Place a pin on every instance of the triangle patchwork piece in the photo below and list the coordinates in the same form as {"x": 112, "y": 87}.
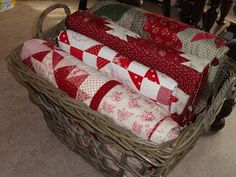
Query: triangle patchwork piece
{"x": 101, "y": 62}
{"x": 202, "y": 36}
{"x": 40, "y": 56}
{"x": 56, "y": 58}
{"x": 152, "y": 76}
{"x": 77, "y": 76}
{"x": 64, "y": 38}
{"x": 137, "y": 80}
{"x": 94, "y": 49}
{"x": 64, "y": 71}
{"x": 76, "y": 53}
{"x": 65, "y": 85}
{"x": 29, "y": 63}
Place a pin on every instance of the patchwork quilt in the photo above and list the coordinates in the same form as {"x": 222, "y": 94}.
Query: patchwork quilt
{"x": 167, "y": 31}
{"x": 125, "y": 107}
{"x": 189, "y": 71}
{"x": 147, "y": 81}
{"x": 162, "y": 29}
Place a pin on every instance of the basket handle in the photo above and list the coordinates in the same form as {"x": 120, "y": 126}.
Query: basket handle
{"x": 45, "y": 14}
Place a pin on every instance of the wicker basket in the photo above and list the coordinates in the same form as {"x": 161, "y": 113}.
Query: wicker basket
{"x": 90, "y": 133}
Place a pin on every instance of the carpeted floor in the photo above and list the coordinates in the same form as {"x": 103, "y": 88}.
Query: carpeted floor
{"x": 29, "y": 149}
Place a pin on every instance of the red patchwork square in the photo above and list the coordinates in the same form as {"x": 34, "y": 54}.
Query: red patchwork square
{"x": 163, "y": 94}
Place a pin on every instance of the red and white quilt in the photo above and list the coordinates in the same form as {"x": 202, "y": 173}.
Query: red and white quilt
{"x": 145, "y": 80}
{"x": 166, "y": 31}
{"x": 128, "y": 109}
{"x": 189, "y": 71}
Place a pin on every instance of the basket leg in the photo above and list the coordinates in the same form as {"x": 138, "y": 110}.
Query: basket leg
{"x": 167, "y": 7}
{"x": 227, "y": 108}
{"x": 137, "y": 3}
{"x": 185, "y": 13}
{"x": 83, "y": 5}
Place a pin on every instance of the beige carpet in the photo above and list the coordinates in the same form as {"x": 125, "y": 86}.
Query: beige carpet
{"x": 29, "y": 149}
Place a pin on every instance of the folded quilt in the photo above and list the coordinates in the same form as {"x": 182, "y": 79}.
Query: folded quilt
{"x": 147, "y": 81}
{"x": 162, "y": 29}
{"x": 167, "y": 31}
{"x": 189, "y": 71}
{"x": 125, "y": 107}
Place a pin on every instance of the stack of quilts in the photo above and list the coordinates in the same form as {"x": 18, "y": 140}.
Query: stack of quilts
{"x": 143, "y": 117}
{"x": 189, "y": 71}
{"x": 149, "y": 88}
{"x": 147, "y": 81}
{"x": 168, "y": 31}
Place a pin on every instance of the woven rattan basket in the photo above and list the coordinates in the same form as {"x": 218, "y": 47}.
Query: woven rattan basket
{"x": 89, "y": 133}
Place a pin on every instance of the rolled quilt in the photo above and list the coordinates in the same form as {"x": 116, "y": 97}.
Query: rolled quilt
{"x": 147, "y": 81}
{"x": 162, "y": 29}
{"x": 189, "y": 71}
{"x": 125, "y": 107}
{"x": 167, "y": 31}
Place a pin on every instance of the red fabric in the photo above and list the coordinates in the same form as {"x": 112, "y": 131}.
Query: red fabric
{"x": 163, "y": 58}
{"x": 164, "y": 30}
{"x": 95, "y": 49}
{"x": 203, "y": 35}
{"x": 29, "y": 63}
{"x": 76, "y": 52}
{"x": 56, "y": 59}
{"x": 101, "y": 93}
{"x": 136, "y": 79}
{"x": 147, "y": 52}
{"x": 40, "y": 56}
{"x": 102, "y": 62}
{"x": 79, "y": 81}
{"x": 151, "y": 75}
{"x": 64, "y": 84}
{"x": 162, "y": 94}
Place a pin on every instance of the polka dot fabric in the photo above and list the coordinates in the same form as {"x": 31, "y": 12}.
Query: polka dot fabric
{"x": 162, "y": 29}
{"x": 186, "y": 71}
{"x": 134, "y": 75}
{"x": 142, "y": 117}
